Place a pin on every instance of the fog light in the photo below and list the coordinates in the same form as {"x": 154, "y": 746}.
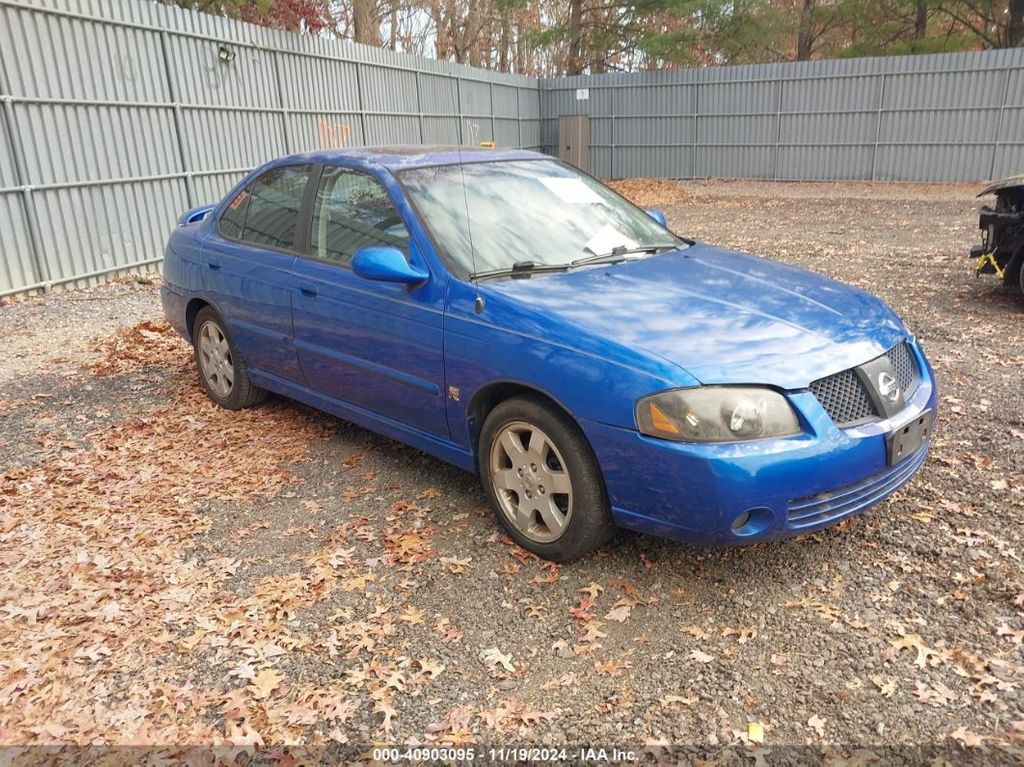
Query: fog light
{"x": 741, "y": 519}
{"x": 752, "y": 522}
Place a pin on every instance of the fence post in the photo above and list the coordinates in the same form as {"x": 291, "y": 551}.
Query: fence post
{"x": 419, "y": 102}
{"x": 458, "y": 107}
{"x": 179, "y": 132}
{"x": 41, "y": 270}
{"x": 999, "y": 125}
{"x": 696, "y": 118}
{"x": 778, "y": 131}
{"x": 362, "y": 105}
{"x": 519, "y": 116}
{"x": 490, "y": 95}
{"x": 878, "y": 129}
{"x": 275, "y": 57}
{"x": 611, "y": 161}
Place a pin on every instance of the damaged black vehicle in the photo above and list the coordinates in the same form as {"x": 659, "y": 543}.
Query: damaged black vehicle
{"x": 1002, "y": 242}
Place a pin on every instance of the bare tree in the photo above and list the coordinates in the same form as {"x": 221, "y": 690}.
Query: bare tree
{"x": 366, "y": 21}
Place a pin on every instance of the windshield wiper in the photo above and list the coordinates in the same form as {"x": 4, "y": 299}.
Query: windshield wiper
{"x": 519, "y": 267}
{"x": 620, "y": 252}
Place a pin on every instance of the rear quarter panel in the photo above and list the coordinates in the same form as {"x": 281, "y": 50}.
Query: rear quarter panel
{"x": 183, "y": 273}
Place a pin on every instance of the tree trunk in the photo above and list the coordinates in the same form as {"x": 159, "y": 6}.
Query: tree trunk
{"x": 364, "y": 19}
{"x": 1015, "y": 24}
{"x": 503, "y": 43}
{"x": 805, "y": 35}
{"x": 574, "y": 58}
{"x": 920, "y": 19}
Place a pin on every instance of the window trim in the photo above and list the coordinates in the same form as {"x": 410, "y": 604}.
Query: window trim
{"x": 301, "y": 240}
{"x": 347, "y": 266}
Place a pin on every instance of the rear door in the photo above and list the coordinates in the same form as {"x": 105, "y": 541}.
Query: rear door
{"x": 375, "y": 345}
{"x": 248, "y": 260}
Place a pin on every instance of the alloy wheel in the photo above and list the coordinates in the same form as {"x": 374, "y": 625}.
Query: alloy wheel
{"x": 531, "y": 482}
{"x": 215, "y": 359}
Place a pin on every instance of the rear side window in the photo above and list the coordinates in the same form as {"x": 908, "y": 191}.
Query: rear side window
{"x": 269, "y": 208}
{"x": 352, "y": 210}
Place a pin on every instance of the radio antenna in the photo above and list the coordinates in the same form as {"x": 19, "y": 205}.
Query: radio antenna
{"x": 478, "y": 304}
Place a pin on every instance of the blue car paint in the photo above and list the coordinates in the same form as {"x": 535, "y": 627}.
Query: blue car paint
{"x": 594, "y": 340}
{"x": 387, "y": 264}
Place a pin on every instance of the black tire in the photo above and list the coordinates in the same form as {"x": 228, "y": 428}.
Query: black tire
{"x": 1013, "y": 274}
{"x": 240, "y": 392}
{"x": 589, "y": 524}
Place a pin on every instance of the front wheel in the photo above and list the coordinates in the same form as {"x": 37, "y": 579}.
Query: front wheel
{"x": 543, "y": 480}
{"x": 222, "y": 370}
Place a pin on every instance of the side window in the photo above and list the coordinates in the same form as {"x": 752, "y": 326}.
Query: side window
{"x": 233, "y": 220}
{"x": 352, "y": 210}
{"x": 272, "y": 207}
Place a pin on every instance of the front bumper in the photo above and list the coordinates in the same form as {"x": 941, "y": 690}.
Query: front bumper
{"x": 789, "y": 486}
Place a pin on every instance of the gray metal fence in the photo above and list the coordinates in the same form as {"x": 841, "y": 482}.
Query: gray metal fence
{"x": 117, "y": 115}
{"x": 946, "y": 117}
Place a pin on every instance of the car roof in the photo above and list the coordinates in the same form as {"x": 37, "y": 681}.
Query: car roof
{"x": 403, "y": 157}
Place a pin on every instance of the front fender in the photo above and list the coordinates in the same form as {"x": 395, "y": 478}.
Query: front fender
{"x": 487, "y": 348}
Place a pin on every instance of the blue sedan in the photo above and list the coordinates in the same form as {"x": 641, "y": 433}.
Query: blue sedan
{"x": 518, "y": 319}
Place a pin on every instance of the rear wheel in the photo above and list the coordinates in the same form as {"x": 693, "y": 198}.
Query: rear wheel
{"x": 543, "y": 481}
{"x": 222, "y": 370}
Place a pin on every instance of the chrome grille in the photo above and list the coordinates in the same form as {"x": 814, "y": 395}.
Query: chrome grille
{"x": 844, "y": 398}
{"x": 847, "y": 401}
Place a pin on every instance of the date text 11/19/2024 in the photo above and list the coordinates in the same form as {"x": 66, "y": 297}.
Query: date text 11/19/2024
{"x": 502, "y": 754}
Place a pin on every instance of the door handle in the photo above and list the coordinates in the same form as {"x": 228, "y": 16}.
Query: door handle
{"x": 214, "y": 266}
{"x": 309, "y": 291}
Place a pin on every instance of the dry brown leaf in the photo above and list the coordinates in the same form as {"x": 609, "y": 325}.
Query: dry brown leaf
{"x": 264, "y": 683}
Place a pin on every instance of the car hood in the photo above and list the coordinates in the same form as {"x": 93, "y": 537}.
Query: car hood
{"x": 724, "y": 317}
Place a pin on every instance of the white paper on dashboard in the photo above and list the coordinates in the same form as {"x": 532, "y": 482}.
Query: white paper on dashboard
{"x": 570, "y": 190}
{"x": 608, "y": 238}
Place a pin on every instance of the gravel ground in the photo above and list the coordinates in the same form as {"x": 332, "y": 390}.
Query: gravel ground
{"x": 364, "y": 596}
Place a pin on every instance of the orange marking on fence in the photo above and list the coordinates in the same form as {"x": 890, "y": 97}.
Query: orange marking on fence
{"x": 332, "y": 135}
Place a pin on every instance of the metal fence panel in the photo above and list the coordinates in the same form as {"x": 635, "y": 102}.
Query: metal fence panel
{"x": 117, "y": 114}
{"x": 16, "y": 268}
{"x": 89, "y": 230}
{"x": 944, "y": 117}
{"x": 8, "y": 171}
{"x": 126, "y": 113}
{"x": 216, "y": 139}
{"x": 81, "y": 142}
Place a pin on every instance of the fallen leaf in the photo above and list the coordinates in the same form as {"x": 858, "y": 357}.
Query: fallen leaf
{"x": 966, "y": 738}
{"x": 492, "y": 656}
{"x": 620, "y": 612}
{"x": 264, "y": 683}
{"x": 817, "y": 724}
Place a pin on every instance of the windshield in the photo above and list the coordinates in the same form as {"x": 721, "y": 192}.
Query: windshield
{"x": 535, "y": 211}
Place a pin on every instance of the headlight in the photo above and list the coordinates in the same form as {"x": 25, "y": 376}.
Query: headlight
{"x": 716, "y": 414}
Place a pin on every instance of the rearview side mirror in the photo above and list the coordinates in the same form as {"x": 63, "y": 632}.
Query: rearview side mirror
{"x": 385, "y": 263}
{"x": 658, "y": 216}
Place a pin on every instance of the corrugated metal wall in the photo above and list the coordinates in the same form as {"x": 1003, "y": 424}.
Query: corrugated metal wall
{"x": 117, "y": 115}
{"x": 945, "y": 117}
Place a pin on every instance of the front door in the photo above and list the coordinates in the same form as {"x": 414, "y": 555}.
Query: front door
{"x": 375, "y": 345}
